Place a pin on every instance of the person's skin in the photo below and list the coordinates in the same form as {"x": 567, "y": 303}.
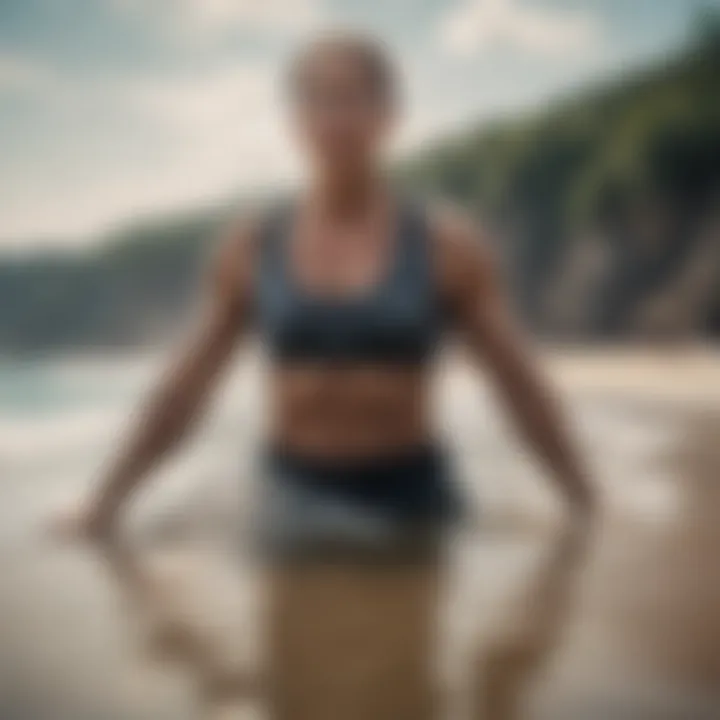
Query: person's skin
{"x": 530, "y": 630}
{"x": 341, "y": 244}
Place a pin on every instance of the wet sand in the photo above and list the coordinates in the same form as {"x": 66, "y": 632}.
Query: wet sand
{"x": 539, "y": 624}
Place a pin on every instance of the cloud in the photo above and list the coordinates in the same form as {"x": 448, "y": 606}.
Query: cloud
{"x": 227, "y": 123}
{"x": 183, "y": 101}
{"x": 211, "y": 19}
{"x": 150, "y": 143}
{"x": 475, "y": 25}
{"x": 20, "y": 74}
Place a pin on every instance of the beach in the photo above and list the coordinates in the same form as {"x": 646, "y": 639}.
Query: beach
{"x": 628, "y": 627}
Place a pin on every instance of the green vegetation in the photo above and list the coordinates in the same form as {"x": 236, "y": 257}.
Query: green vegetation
{"x": 132, "y": 289}
{"x": 636, "y": 166}
{"x": 605, "y": 208}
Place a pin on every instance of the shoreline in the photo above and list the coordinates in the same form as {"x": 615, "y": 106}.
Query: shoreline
{"x": 642, "y": 630}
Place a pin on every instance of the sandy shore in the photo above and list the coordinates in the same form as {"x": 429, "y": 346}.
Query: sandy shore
{"x": 627, "y": 628}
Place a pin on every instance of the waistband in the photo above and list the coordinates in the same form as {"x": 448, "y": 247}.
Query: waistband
{"x": 414, "y": 484}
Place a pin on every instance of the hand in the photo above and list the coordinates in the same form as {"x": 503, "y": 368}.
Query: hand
{"x": 89, "y": 523}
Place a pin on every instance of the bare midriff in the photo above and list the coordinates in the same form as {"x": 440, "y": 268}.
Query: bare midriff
{"x": 339, "y": 412}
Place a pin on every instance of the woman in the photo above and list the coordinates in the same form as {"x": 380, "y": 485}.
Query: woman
{"x": 352, "y": 290}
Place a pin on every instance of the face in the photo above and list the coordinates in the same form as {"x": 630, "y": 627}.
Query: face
{"x": 341, "y": 120}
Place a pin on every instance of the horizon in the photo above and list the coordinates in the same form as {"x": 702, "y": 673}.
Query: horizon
{"x": 172, "y": 107}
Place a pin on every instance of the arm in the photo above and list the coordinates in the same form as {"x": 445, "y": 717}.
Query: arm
{"x": 178, "y": 400}
{"x": 478, "y": 305}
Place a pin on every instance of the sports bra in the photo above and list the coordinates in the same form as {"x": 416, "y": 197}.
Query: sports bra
{"x": 393, "y": 321}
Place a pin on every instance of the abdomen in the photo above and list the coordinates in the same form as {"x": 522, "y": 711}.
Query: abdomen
{"x": 337, "y": 411}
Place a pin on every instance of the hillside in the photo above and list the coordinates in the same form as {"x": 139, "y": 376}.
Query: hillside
{"x": 607, "y": 207}
{"x": 606, "y": 210}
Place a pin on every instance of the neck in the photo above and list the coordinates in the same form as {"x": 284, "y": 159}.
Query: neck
{"x": 347, "y": 195}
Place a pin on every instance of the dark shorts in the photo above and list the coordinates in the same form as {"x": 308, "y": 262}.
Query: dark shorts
{"x": 400, "y": 504}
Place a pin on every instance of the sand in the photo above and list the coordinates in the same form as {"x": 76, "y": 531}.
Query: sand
{"x": 537, "y": 623}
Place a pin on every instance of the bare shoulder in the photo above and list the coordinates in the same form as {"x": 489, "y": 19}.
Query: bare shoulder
{"x": 450, "y": 223}
{"x": 233, "y": 258}
{"x": 461, "y": 246}
{"x": 236, "y": 244}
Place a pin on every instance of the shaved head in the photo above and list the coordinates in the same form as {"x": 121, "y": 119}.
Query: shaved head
{"x": 375, "y": 66}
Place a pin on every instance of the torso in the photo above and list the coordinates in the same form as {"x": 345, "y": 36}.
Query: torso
{"x": 350, "y": 339}
{"x": 349, "y": 412}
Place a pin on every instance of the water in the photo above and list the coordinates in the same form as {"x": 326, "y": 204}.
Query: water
{"x": 60, "y": 420}
{"x": 66, "y": 648}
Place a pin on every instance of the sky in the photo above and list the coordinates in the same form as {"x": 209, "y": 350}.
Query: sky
{"x": 114, "y": 109}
